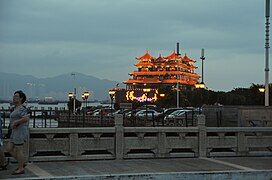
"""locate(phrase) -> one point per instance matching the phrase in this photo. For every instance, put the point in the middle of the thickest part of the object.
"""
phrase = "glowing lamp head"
(70, 95)
(261, 89)
(111, 92)
(200, 85)
(86, 94)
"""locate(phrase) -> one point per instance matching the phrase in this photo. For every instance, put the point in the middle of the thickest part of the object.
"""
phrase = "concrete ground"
(176, 168)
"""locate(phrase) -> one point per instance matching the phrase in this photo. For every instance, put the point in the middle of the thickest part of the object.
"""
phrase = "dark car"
(167, 112)
(181, 117)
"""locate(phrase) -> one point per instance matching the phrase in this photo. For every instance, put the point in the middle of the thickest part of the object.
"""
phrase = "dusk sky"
(46, 38)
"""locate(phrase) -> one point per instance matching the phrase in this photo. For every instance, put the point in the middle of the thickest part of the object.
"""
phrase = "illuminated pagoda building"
(173, 70)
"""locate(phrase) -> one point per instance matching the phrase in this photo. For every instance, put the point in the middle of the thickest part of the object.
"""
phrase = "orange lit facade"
(163, 71)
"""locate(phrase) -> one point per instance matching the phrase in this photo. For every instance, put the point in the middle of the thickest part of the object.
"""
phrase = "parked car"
(170, 110)
(174, 113)
(129, 112)
(167, 112)
(103, 112)
(150, 114)
(181, 116)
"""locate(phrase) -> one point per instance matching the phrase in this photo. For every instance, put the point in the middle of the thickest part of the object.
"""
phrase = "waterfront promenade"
(252, 168)
(121, 152)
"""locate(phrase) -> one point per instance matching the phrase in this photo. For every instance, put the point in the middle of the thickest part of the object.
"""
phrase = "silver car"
(181, 117)
(150, 114)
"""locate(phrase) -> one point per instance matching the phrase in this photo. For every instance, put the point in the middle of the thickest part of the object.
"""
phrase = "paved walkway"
(177, 168)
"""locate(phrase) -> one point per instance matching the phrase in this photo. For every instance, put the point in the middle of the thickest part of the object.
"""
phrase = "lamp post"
(266, 70)
(178, 54)
(85, 96)
(112, 94)
(262, 91)
(146, 91)
(70, 106)
(202, 57)
(71, 97)
(200, 86)
(74, 74)
(177, 94)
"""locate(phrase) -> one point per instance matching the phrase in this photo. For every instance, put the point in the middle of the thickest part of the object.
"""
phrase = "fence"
(119, 142)
(216, 116)
(82, 120)
(39, 118)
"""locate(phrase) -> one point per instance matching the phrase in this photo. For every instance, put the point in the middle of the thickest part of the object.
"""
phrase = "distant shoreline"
(59, 101)
(62, 104)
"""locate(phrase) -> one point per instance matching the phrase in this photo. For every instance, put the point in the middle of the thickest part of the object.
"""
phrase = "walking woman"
(19, 125)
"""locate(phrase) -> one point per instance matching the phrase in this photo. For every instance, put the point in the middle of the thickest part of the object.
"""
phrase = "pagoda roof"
(160, 59)
(193, 67)
(173, 81)
(192, 82)
(143, 64)
(173, 56)
(156, 81)
(187, 59)
(146, 56)
(144, 73)
(143, 81)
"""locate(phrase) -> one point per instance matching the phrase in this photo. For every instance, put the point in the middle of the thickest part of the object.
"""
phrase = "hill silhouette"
(57, 87)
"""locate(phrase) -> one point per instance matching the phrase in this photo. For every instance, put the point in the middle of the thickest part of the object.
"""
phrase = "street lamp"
(112, 95)
(74, 74)
(85, 96)
(266, 70)
(202, 57)
(71, 97)
(200, 86)
(177, 93)
(262, 91)
(146, 91)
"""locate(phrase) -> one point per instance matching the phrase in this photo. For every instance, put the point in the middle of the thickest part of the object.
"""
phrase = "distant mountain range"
(57, 87)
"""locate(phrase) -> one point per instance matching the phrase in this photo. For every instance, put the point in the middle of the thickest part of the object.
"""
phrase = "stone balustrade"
(119, 142)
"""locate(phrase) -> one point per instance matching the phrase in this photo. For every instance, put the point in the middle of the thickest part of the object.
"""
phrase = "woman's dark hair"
(22, 95)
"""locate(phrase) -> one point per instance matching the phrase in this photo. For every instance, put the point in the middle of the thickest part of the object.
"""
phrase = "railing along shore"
(120, 142)
(60, 118)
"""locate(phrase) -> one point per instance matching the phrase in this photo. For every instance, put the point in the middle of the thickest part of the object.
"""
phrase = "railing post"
(162, 145)
(74, 145)
(241, 144)
(202, 138)
(119, 136)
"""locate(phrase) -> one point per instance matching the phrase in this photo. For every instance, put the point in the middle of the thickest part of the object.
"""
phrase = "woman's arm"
(24, 119)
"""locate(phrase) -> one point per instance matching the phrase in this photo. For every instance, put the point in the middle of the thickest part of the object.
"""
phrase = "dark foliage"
(197, 97)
